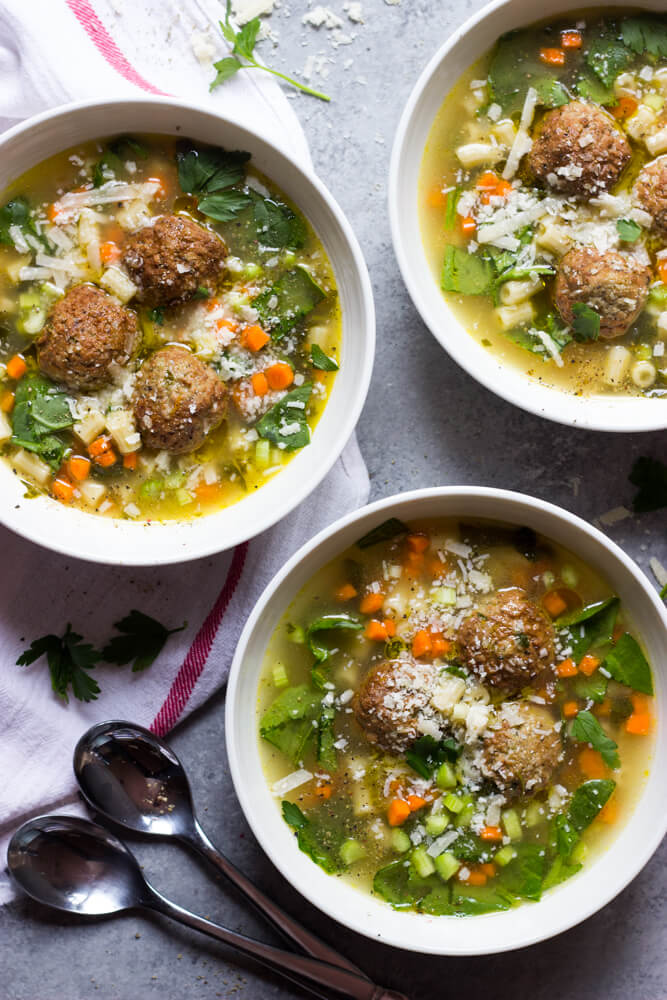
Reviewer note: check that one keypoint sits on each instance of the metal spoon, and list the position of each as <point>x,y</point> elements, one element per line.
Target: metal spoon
<point>77,866</point>
<point>133,778</point>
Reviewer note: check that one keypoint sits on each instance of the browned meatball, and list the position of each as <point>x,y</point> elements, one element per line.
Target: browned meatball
<point>177,400</point>
<point>524,749</point>
<point>578,150</point>
<point>508,642</point>
<point>86,332</point>
<point>171,259</point>
<point>390,700</point>
<point>651,192</point>
<point>615,285</point>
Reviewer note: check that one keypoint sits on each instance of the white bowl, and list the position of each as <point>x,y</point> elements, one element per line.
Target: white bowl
<point>460,51</point>
<point>561,908</point>
<point>102,539</point>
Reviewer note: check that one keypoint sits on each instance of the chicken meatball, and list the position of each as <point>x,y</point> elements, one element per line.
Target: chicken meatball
<point>651,193</point>
<point>171,259</point>
<point>615,285</point>
<point>523,749</point>
<point>177,400</point>
<point>578,151</point>
<point>507,643</point>
<point>86,332</point>
<point>392,697</point>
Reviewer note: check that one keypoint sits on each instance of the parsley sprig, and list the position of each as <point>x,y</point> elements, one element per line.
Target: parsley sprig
<point>70,659</point>
<point>243,45</point>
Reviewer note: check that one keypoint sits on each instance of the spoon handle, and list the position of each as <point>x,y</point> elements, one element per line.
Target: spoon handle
<point>292,929</point>
<point>307,972</point>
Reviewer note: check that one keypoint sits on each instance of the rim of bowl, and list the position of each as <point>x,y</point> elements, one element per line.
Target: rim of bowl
<point>595,412</point>
<point>134,543</point>
<point>408,933</point>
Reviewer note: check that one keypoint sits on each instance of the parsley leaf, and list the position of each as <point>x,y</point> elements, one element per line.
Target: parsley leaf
<point>277,225</point>
<point>587,729</point>
<point>243,46</point>
<point>608,57</point>
<point>69,661</point>
<point>628,230</point>
<point>293,815</point>
<point>286,423</point>
<point>142,641</point>
<point>282,306</point>
<point>645,35</point>
<point>586,322</point>
<point>40,409</point>
<point>627,664</point>
<point>225,205</point>
<point>321,360</point>
<point>649,475</point>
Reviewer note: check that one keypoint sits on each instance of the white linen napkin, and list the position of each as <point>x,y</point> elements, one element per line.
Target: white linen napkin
<point>51,52</point>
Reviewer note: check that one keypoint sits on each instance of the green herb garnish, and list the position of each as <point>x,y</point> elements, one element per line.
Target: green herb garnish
<point>627,664</point>
<point>587,729</point>
<point>142,640</point>
<point>286,423</point>
<point>69,660</point>
<point>586,322</point>
<point>320,360</point>
<point>628,230</point>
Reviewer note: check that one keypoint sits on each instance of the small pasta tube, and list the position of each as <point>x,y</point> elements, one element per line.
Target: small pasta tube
<point>514,292</point>
<point>117,283</point>
<point>616,364</point>
<point>643,374</point>
<point>479,154</point>
<point>518,315</point>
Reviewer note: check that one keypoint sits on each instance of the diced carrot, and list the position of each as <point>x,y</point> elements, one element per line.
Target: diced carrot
<point>638,724</point>
<point>78,467</point>
<point>554,603</point>
<point>53,212</point>
<point>16,367</point>
<point>109,252</point>
<point>567,668</point>
<point>7,402</point>
<point>414,563</point>
<point>570,709</point>
<point>212,303</point>
<point>422,644</point>
<point>107,458</point>
<point>625,107</point>
<point>437,197</point>
<point>162,189</point>
<point>488,868</point>
<point>346,592</point>
<point>324,791</point>
<point>206,492</point>
<point>62,489</point>
<point>130,461</point>
<point>398,812</point>
<point>468,225</point>
<point>609,811</point>
<point>416,802</point>
<point>437,568</point>
<point>223,323</point>
<point>492,186</point>
<point>254,338</point>
<point>371,603</point>
<point>474,877</point>
<point>439,645</point>
<point>99,446</point>
<point>418,543</point>
<point>491,833</point>
<point>280,375</point>
<point>588,664</point>
<point>487,181</point>
<point>640,702</point>
<point>604,708</point>
<point>260,384</point>
<point>552,57</point>
<point>390,626</point>
<point>376,630</point>
<point>571,39</point>
<point>662,272</point>
<point>591,763</point>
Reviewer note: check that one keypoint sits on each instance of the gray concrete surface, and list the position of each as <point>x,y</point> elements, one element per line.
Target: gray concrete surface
<point>426,422</point>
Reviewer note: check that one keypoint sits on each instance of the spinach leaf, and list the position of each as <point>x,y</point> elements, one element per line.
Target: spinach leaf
<point>591,627</point>
<point>207,170</point>
<point>587,729</point>
<point>470,848</point>
<point>278,227</point>
<point>559,872</point>
<point>593,688</point>
<point>427,754</point>
<point>645,34</point>
<point>288,722</point>
<point>286,423</point>
<point>564,836</point>
<point>319,842</point>
<point>608,57</point>
<point>288,301</point>
<point>17,213</point>
<point>326,751</point>
<point>320,360</point>
<point>473,901</point>
<point>591,87</point>
<point>587,802</point>
<point>438,902</point>
<point>224,205</point>
<point>324,624</point>
<point>383,533</point>
<point>523,875</point>
<point>649,475</point>
<point>399,885</point>
<point>40,408</point>
<point>586,322</point>
<point>465,273</point>
<point>627,664</point>
<point>450,210</point>
<point>628,230</point>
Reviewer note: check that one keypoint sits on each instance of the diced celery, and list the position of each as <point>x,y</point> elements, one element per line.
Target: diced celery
<point>444,595</point>
<point>296,634</point>
<point>512,824</point>
<point>251,270</point>
<point>504,856</point>
<point>422,862</point>
<point>643,352</point>
<point>184,497</point>
<point>446,865</point>
<point>569,576</point>
<point>579,853</point>
<point>151,488</point>
<point>453,803</point>
<point>436,824</point>
<point>446,776</point>
<point>174,480</point>
<point>657,296</point>
<point>400,842</point>
<point>262,454</point>
<point>534,813</point>
<point>32,321</point>
<point>279,674</point>
<point>28,300</point>
<point>464,818</point>
<point>654,101</point>
<point>548,579</point>
<point>351,851</point>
